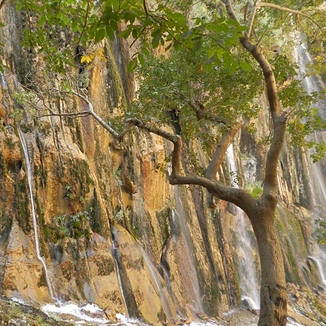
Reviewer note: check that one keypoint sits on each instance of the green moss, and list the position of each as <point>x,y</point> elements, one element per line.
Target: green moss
<point>94,212</point>
<point>319,306</point>
<point>13,313</point>
<point>44,127</point>
<point>21,204</point>
<point>42,280</point>
<point>163,221</point>
<point>255,189</point>
<point>117,93</point>
<point>2,166</point>
<point>80,173</point>
<point>162,317</point>
<point>288,226</point>
<point>73,226</point>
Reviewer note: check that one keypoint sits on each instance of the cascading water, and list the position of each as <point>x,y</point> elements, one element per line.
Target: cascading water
<point>115,258</point>
<point>159,288</point>
<point>35,226</point>
<point>320,270</point>
<point>247,273</point>
<point>186,254</point>
<point>314,84</point>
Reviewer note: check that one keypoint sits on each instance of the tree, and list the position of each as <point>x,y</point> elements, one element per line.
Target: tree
<point>214,38</point>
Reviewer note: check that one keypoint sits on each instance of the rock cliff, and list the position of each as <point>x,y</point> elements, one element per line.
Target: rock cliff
<point>111,230</point>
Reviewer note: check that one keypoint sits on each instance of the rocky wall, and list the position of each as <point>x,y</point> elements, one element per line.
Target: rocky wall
<point>112,231</point>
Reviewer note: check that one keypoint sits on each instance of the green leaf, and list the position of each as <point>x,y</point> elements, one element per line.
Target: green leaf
<point>125,33</point>
<point>42,20</point>
<point>197,45</point>
<point>132,65</point>
<point>19,6</point>
<point>145,50</point>
<point>141,59</point>
<point>211,52</point>
<point>233,67</point>
<point>99,36</point>
<point>157,35</point>
<point>179,18</point>
<point>110,32</point>
<point>245,66</point>
<point>186,35</point>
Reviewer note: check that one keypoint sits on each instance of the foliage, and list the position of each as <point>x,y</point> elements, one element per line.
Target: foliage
<point>73,226</point>
<point>2,66</point>
<point>321,231</point>
<point>53,26</point>
<point>182,79</point>
<point>203,84</point>
<point>201,48</point>
<point>255,189</point>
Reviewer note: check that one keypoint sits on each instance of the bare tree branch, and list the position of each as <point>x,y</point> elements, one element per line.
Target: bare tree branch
<point>279,129</point>
<point>264,64</point>
<point>69,115</point>
<point>220,151</point>
<point>285,9</point>
<point>279,118</point>
<point>203,113</point>
<point>218,189</point>
<point>96,116</point>
<point>252,17</point>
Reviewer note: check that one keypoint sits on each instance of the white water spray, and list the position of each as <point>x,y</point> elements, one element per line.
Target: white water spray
<point>82,313</point>
<point>320,270</point>
<point>248,276</point>
<point>30,185</point>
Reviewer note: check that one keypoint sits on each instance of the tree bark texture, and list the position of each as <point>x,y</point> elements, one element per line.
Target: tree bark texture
<point>273,295</point>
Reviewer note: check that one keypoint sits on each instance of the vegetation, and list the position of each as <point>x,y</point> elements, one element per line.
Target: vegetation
<point>73,226</point>
<point>321,232</point>
<point>215,60</point>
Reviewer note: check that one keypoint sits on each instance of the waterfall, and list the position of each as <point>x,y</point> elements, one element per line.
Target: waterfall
<point>115,253</point>
<point>247,273</point>
<point>185,252</point>
<point>159,288</point>
<point>30,185</point>
<point>310,83</point>
<point>84,314</point>
<point>314,84</point>
<point>320,270</point>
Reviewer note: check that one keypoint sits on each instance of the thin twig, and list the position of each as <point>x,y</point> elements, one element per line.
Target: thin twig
<point>85,22</point>
<point>69,115</point>
<point>285,9</point>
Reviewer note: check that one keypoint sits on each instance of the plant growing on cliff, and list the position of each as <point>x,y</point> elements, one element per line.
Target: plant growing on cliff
<point>226,58</point>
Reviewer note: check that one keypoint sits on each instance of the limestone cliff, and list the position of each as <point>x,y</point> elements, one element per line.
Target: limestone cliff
<point>112,231</point>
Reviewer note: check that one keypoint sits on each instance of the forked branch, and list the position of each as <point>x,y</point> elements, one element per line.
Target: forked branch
<point>218,189</point>
<point>220,151</point>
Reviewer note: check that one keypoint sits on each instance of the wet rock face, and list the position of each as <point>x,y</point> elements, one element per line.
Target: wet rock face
<point>112,231</point>
<point>22,273</point>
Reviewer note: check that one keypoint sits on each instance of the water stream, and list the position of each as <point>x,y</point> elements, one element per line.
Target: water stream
<point>320,270</point>
<point>35,226</point>
<point>157,281</point>
<point>247,273</point>
<point>314,84</point>
<point>115,253</point>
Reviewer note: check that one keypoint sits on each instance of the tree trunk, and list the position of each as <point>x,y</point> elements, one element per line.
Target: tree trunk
<point>273,296</point>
